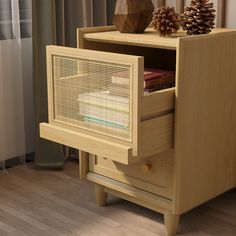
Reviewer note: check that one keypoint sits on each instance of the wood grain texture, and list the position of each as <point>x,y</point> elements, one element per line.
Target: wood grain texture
<point>87,143</point>
<point>159,180</point>
<point>205,128</point>
<point>131,191</point>
<point>157,135</point>
<point>151,39</point>
<point>64,205</point>
<point>171,223</point>
<point>84,164</point>
<point>101,195</point>
<point>137,90</point>
<point>151,108</point>
<point>148,39</point>
<point>82,31</point>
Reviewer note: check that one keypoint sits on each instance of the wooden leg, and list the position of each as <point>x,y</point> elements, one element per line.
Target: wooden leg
<point>101,196</point>
<point>171,223</point>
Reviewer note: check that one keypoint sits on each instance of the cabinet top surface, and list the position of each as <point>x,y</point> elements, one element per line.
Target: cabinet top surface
<point>147,39</point>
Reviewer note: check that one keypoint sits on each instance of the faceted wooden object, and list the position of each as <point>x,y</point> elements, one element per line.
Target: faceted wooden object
<point>133,16</point>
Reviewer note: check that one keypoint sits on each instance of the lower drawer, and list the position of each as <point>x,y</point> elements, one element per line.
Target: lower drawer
<point>153,174</point>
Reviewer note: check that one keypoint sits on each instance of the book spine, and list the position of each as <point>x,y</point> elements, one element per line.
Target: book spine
<point>106,123</point>
<point>163,81</point>
<point>95,112</point>
<point>105,103</point>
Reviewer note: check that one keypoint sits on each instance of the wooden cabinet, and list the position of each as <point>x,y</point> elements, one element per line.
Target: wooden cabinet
<point>169,150</point>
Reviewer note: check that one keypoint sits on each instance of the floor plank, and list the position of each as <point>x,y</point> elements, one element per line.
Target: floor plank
<point>53,202</point>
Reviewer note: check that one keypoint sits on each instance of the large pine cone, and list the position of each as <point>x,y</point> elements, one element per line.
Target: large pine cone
<point>165,21</point>
<point>198,18</point>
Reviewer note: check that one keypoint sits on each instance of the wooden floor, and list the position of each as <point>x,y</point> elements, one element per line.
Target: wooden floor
<point>36,202</point>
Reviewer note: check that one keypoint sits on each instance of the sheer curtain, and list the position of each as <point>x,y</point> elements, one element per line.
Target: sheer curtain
<point>15,79</point>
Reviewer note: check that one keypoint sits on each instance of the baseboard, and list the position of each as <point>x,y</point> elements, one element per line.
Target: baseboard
<point>16,160</point>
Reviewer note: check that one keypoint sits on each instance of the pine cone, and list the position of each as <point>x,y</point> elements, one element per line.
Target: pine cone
<point>165,21</point>
<point>198,18</point>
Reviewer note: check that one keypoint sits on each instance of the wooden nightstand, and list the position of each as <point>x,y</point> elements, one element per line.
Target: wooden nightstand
<point>170,150</point>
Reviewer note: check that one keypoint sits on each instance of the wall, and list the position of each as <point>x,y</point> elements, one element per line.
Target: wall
<point>231,14</point>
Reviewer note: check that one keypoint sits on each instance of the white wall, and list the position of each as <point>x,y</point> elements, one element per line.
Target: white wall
<point>231,14</point>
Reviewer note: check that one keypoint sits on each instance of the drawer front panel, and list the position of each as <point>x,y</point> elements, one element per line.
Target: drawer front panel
<point>95,91</point>
<point>93,94</point>
<point>154,174</point>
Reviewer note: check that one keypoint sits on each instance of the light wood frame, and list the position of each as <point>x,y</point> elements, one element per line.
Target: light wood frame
<point>205,119</point>
<point>204,133</point>
<point>190,189</point>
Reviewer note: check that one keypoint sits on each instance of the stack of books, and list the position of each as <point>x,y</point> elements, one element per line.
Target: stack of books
<point>120,84</point>
<point>104,108</point>
<point>111,106</point>
<point>154,79</point>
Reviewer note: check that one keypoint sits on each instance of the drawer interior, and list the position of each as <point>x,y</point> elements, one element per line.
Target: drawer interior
<point>153,57</point>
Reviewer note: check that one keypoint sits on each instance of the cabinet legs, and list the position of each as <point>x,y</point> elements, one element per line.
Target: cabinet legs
<point>101,196</point>
<point>171,220</point>
<point>171,223</point>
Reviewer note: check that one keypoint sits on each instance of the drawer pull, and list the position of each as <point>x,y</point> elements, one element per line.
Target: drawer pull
<point>146,167</point>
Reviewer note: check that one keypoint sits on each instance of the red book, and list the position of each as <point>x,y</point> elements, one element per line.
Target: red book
<point>154,78</point>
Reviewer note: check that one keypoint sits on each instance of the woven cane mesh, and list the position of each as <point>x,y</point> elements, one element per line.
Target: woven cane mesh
<point>93,95</point>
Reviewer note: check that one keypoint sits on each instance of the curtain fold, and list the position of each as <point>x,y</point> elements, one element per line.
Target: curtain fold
<point>44,33</point>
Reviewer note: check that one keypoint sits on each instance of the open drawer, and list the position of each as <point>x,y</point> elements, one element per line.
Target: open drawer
<point>96,103</point>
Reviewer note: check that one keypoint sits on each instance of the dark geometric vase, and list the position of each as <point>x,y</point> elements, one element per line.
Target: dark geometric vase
<point>133,16</point>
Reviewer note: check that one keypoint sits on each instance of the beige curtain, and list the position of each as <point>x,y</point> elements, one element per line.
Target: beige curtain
<point>55,22</point>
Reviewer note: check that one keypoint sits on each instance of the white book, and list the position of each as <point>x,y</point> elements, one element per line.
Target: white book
<point>103,114</point>
<point>106,100</point>
<point>121,78</point>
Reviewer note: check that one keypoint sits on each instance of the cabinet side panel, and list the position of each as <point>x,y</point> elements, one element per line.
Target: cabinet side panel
<point>205,128</point>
